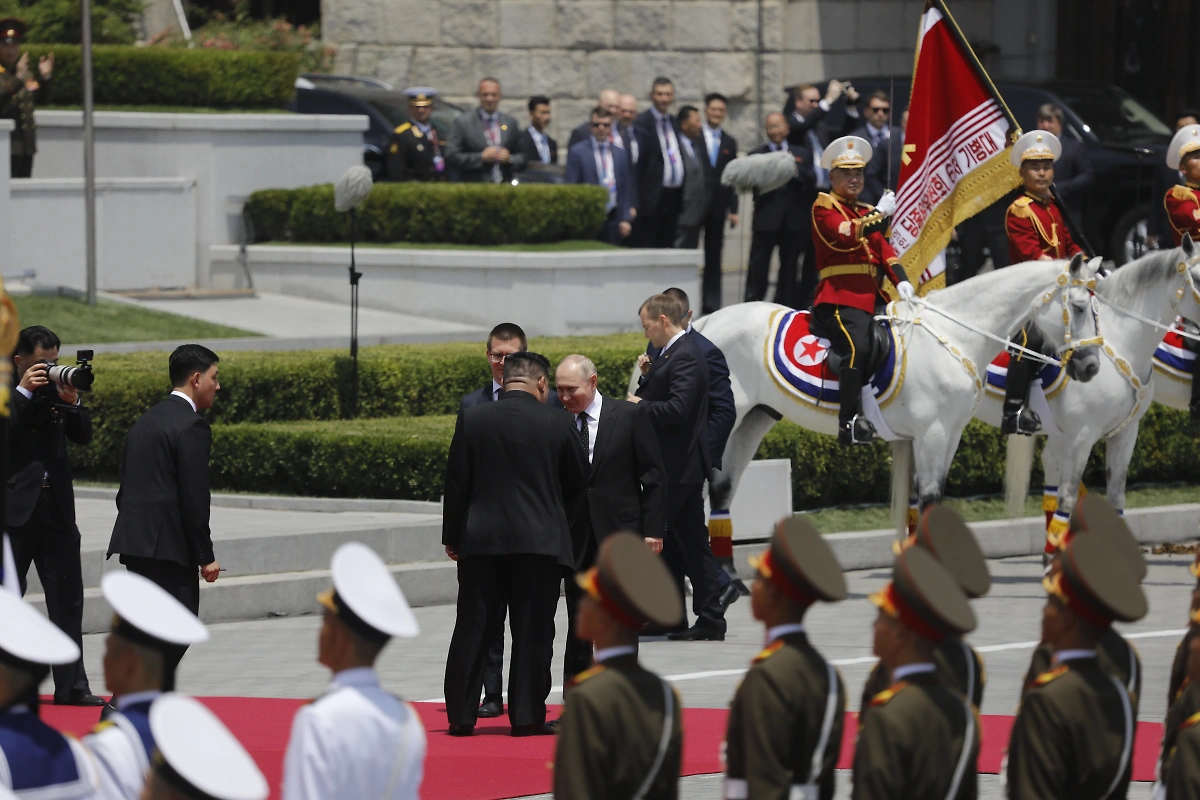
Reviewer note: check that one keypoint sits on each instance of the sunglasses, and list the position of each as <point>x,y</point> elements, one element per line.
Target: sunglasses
<point>601,124</point>
<point>879,109</point>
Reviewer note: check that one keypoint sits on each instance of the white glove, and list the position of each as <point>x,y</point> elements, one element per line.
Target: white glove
<point>906,290</point>
<point>887,204</point>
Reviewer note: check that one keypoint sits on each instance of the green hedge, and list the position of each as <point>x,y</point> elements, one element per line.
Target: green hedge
<point>165,76</point>
<point>463,213</point>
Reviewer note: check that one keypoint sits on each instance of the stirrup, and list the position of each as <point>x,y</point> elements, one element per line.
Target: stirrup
<point>1023,421</point>
<point>858,430</point>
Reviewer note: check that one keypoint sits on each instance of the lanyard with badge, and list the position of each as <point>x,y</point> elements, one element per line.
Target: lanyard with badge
<point>439,163</point>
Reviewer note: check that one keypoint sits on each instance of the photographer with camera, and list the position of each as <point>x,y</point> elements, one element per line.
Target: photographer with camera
<point>40,498</point>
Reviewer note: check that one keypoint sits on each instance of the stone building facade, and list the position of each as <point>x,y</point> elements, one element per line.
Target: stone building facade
<point>746,49</point>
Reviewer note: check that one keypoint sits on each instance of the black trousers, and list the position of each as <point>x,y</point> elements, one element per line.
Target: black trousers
<point>809,278</point>
<point>982,230</point>
<point>1031,338</point>
<point>20,166</point>
<point>51,544</point>
<point>686,551</point>
<point>714,243</point>
<point>849,331</point>
<point>762,245</point>
<point>577,656</point>
<point>493,665</point>
<point>182,583</point>
<point>529,586</point>
<point>657,228</point>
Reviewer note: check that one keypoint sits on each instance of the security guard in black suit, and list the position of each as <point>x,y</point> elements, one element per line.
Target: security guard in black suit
<point>416,152</point>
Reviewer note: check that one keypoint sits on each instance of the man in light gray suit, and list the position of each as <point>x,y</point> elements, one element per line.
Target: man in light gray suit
<point>484,144</point>
<point>695,200</point>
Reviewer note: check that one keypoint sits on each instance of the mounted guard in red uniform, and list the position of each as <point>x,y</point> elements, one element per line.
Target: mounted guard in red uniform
<point>1183,211</point>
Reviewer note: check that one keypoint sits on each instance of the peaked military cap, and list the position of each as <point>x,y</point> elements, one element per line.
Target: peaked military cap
<point>421,96</point>
<point>942,532</point>
<point>800,562</point>
<point>1095,516</point>
<point>1035,146</point>
<point>848,152</point>
<point>197,755</point>
<point>366,597</point>
<point>144,613</point>
<point>632,584</point>
<point>924,597</point>
<point>1186,140</point>
<point>12,30</point>
<point>1095,584</point>
<point>29,641</point>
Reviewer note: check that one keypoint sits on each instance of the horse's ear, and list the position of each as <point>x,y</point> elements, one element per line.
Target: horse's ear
<point>1094,265</point>
<point>1187,245</point>
<point>1076,264</point>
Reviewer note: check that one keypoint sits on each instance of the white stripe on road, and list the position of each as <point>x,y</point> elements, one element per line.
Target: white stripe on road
<point>846,662</point>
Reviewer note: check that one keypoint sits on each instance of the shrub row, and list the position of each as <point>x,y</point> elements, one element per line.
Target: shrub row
<point>166,76</point>
<point>405,458</point>
<point>463,213</point>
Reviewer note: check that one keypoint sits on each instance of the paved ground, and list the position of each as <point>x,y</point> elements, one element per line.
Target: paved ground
<point>275,658</point>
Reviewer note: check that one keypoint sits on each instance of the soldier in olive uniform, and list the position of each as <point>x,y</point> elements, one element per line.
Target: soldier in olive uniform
<point>1183,693</point>
<point>946,536</point>
<point>416,153</point>
<point>1073,735</point>
<point>785,726</point>
<point>1181,767</point>
<point>921,738</point>
<point>1093,515</point>
<point>1179,667</point>
<point>19,90</point>
<point>621,734</point>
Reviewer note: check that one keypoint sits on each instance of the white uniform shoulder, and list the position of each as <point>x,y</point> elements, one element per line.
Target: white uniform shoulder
<point>120,762</point>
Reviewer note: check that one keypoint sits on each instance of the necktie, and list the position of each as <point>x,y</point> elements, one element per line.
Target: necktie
<point>585,434</point>
<point>712,148</point>
<point>493,136</point>
<point>670,156</point>
<point>607,176</point>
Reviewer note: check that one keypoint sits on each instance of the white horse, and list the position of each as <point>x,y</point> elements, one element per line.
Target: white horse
<point>942,363</point>
<point>1136,304</point>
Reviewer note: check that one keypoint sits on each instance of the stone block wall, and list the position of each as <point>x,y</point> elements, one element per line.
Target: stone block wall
<point>571,49</point>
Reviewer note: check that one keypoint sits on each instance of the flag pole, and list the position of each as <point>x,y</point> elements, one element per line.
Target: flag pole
<point>1014,131</point>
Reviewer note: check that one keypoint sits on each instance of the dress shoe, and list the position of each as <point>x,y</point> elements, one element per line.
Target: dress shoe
<point>656,630</point>
<point>80,699</point>
<point>491,707</point>
<point>457,729</point>
<point>697,634</point>
<point>554,724</point>
<point>729,596</point>
<point>536,729</point>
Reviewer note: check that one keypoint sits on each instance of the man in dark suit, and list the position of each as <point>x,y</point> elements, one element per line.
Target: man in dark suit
<point>583,132</point>
<point>597,161</point>
<point>719,149</point>
<point>1164,179</point>
<point>484,145</point>
<point>887,145</point>
<point>1073,175</point>
<point>162,527</point>
<point>626,488</point>
<point>537,145</point>
<point>694,207</point>
<point>40,497</point>
<point>514,468</point>
<point>675,398</point>
<point>782,219</point>
<point>659,170</point>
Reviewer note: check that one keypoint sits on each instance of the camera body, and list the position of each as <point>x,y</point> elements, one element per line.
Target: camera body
<point>80,376</point>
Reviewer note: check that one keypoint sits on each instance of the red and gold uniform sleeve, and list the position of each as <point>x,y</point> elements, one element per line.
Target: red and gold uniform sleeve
<point>890,263</point>
<point>849,247</point>
<point>1183,211</point>
<point>1027,239</point>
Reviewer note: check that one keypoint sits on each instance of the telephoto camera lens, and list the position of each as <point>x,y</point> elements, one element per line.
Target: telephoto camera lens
<point>75,377</point>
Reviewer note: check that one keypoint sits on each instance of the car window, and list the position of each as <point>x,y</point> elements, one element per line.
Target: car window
<point>1112,114</point>
<point>319,102</point>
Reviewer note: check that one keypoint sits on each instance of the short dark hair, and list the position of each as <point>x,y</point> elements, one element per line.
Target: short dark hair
<point>506,332</point>
<point>538,100</point>
<point>36,336</point>
<point>1048,111</point>
<point>661,81</point>
<point>526,365</point>
<point>1187,112</point>
<point>686,112</point>
<point>187,360</point>
<point>879,94</point>
<point>708,98</point>
<point>681,296</point>
<point>601,112</point>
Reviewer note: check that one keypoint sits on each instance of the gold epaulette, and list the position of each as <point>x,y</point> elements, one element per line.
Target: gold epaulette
<point>768,651</point>
<point>1020,208</point>
<point>887,694</point>
<point>1190,722</point>
<point>101,726</point>
<point>1046,677</point>
<point>587,673</point>
<point>825,200</point>
<point>1181,192</point>
<point>403,128</point>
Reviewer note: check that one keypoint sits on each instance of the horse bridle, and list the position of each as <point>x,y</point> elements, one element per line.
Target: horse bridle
<point>1063,285</point>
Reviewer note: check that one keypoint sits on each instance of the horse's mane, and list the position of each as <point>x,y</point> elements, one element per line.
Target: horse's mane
<point>1124,285</point>
<point>982,286</point>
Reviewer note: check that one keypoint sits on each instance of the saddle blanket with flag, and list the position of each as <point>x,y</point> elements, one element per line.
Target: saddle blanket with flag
<point>1172,358</point>
<point>797,362</point>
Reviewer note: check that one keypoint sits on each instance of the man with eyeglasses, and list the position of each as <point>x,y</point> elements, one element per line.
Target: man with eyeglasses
<point>887,142</point>
<point>598,161</point>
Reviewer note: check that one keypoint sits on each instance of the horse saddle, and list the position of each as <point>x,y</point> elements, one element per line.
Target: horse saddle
<point>879,346</point>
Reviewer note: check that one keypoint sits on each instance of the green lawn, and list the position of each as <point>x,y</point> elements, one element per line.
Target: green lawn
<point>833,520</point>
<point>76,322</point>
<point>170,109</point>
<point>571,246</point>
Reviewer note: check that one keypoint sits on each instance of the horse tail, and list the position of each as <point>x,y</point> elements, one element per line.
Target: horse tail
<point>1017,468</point>
<point>902,483</point>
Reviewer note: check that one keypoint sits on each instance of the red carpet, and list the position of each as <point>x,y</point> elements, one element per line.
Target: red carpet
<point>492,764</point>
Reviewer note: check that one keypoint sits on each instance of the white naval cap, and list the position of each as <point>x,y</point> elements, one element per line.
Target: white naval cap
<point>366,597</point>
<point>1035,146</point>
<point>26,635</point>
<point>848,152</point>
<point>198,755</point>
<point>1186,140</point>
<point>145,613</point>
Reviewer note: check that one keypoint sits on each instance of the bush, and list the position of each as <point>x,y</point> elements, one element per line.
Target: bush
<point>60,21</point>
<point>276,35</point>
<point>164,76</point>
<point>462,213</point>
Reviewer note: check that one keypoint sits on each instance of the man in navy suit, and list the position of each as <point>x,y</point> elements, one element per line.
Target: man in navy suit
<point>1073,174</point>
<point>659,169</point>
<point>887,143</point>
<point>720,148</point>
<point>598,162</point>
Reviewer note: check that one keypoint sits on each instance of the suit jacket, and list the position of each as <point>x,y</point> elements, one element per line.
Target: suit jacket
<point>1073,176</point>
<point>583,133</point>
<point>464,149</point>
<point>37,445</point>
<point>626,485</point>
<point>529,148</point>
<point>722,200</point>
<point>581,168</point>
<point>675,398</point>
<point>649,172</point>
<point>163,502</point>
<point>877,178</point>
<point>695,185</point>
<point>722,412</point>
<point>515,467</point>
<point>788,207</point>
<point>484,395</point>
<point>828,125</point>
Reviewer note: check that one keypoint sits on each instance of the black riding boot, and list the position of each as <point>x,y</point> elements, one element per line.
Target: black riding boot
<point>1018,416</point>
<point>1194,404</point>
<point>853,427</point>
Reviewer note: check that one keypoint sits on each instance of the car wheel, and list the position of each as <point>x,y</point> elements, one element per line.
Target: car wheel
<point>1130,235</point>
